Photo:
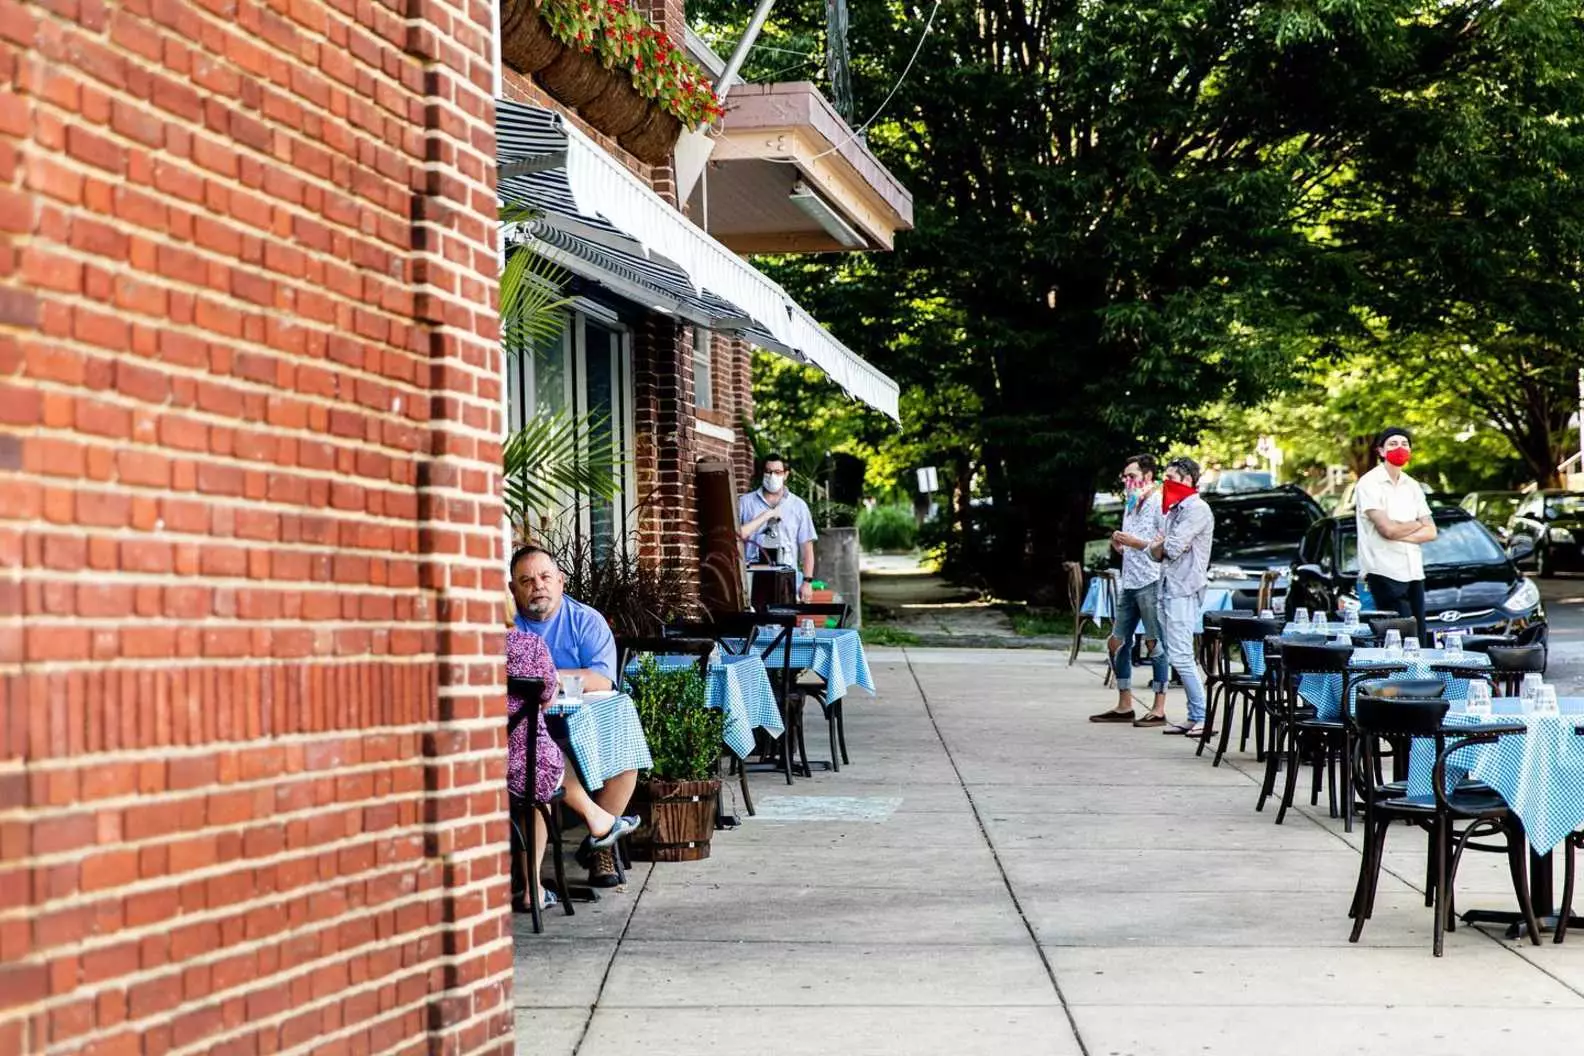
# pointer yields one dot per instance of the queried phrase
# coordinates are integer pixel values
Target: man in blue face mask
(771, 518)
(1138, 603)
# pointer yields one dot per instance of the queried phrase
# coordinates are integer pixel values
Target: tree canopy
(1130, 214)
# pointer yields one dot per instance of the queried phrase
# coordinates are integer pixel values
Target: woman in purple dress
(528, 657)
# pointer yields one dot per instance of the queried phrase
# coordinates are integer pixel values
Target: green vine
(623, 39)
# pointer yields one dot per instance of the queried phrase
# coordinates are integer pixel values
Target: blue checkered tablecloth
(837, 656)
(740, 687)
(1255, 651)
(1324, 692)
(606, 736)
(1540, 774)
(1097, 603)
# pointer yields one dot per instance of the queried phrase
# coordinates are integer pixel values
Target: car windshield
(1564, 505)
(1456, 544)
(1241, 526)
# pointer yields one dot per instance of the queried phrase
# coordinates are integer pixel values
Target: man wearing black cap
(1393, 523)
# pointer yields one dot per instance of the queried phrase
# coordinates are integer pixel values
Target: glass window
(703, 370)
(1564, 506)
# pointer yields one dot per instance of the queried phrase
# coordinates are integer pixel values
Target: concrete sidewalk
(994, 874)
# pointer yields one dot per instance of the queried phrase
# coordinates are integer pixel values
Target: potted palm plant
(684, 735)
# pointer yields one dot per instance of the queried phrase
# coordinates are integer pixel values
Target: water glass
(571, 688)
(1410, 648)
(1319, 625)
(1479, 698)
(1453, 643)
(806, 625)
(1267, 614)
(1301, 617)
(1393, 643)
(1546, 700)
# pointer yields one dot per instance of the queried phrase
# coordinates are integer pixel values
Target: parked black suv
(1548, 529)
(1257, 531)
(1470, 583)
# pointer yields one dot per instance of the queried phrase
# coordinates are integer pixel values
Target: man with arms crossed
(1393, 523)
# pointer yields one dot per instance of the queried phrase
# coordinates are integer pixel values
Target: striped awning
(598, 220)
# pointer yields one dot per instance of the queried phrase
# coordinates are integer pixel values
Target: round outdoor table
(604, 733)
(1324, 692)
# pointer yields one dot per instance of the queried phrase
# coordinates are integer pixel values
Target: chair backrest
(1315, 659)
(1075, 587)
(738, 634)
(1214, 620)
(1403, 625)
(1267, 589)
(1398, 716)
(530, 691)
(1535, 634)
(1521, 659)
(1414, 688)
(1366, 615)
(1241, 629)
(1482, 643)
(630, 648)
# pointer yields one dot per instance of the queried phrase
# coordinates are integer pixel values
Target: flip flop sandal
(1183, 730)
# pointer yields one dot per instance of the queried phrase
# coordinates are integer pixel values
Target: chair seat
(1469, 802)
(1399, 789)
(1328, 725)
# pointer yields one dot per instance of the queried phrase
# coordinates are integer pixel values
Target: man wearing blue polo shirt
(580, 643)
(772, 518)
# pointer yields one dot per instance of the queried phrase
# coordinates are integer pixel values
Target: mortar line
(995, 856)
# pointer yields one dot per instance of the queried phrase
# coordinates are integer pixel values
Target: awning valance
(600, 221)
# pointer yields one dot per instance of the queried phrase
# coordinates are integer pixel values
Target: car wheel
(1544, 567)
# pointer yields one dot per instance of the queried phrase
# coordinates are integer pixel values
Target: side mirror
(1520, 547)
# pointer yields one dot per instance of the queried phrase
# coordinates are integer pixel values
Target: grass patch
(1039, 623)
(880, 634)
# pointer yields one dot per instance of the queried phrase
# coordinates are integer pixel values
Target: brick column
(666, 451)
(251, 755)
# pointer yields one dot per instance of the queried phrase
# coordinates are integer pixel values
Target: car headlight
(1525, 596)
(1561, 535)
(1230, 572)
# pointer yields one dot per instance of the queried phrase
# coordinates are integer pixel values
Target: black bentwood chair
(1510, 663)
(1232, 685)
(812, 687)
(521, 809)
(1453, 819)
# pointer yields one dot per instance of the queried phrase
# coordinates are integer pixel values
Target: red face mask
(1173, 492)
(1398, 456)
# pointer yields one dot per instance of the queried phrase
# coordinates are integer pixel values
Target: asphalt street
(1564, 600)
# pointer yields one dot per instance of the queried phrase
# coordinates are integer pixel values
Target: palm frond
(532, 304)
(554, 455)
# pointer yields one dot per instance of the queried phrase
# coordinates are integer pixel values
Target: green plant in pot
(684, 735)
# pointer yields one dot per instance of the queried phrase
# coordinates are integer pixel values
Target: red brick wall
(252, 759)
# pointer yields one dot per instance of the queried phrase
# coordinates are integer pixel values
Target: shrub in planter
(684, 735)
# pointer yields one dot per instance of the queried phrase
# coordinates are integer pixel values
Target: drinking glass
(1479, 698)
(571, 688)
(1267, 614)
(1454, 644)
(1393, 643)
(1319, 624)
(1546, 700)
(1410, 648)
(1301, 617)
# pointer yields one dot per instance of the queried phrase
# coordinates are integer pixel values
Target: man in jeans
(1183, 550)
(1393, 523)
(1142, 521)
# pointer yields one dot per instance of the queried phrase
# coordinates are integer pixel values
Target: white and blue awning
(600, 221)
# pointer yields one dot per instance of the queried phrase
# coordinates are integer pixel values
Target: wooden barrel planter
(653, 141)
(681, 819)
(526, 43)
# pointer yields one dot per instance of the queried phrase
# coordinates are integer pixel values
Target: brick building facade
(251, 762)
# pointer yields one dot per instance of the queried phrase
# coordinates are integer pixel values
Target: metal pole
(739, 54)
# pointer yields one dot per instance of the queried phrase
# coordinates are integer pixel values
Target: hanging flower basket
(618, 109)
(526, 43)
(574, 77)
(652, 141)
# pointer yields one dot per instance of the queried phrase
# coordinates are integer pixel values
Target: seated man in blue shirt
(581, 644)
(772, 518)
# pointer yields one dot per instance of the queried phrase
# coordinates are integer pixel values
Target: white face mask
(773, 482)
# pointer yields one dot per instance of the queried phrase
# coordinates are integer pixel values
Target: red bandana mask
(1173, 492)
(1398, 456)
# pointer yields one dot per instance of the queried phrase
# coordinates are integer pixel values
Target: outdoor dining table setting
(738, 686)
(604, 733)
(835, 654)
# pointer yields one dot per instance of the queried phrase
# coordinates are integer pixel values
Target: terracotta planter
(574, 77)
(526, 43)
(680, 820)
(618, 109)
(652, 141)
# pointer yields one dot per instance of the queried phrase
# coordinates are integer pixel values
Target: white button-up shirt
(1402, 501)
(1146, 521)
